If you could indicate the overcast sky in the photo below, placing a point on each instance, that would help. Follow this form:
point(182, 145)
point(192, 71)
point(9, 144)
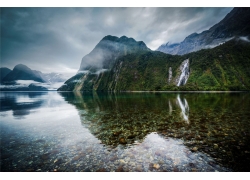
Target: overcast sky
point(56, 39)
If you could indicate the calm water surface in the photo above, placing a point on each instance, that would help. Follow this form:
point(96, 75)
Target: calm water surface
point(51, 131)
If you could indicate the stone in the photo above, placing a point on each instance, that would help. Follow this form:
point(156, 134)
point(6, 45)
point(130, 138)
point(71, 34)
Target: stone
point(122, 140)
point(76, 158)
point(159, 153)
point(116, 133)
point(101, 170)
point(191, 165)
point(192, 156)
point(156, 166)
point(122, 161)
point(176, 169)
point(120, 169)
point(195, 149)
point(151, 166)
point(194, 170)
point(216, 146)
point(139, 168)
point(113, 158)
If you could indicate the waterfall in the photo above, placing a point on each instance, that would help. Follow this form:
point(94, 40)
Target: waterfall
point(169, 75)
point(184, 73)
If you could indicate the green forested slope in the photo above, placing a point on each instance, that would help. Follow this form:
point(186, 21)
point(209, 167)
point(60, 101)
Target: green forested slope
point(225, 67)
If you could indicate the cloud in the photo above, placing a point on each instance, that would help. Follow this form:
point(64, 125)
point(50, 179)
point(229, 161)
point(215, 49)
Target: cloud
point(46, 38)
point(244, 38)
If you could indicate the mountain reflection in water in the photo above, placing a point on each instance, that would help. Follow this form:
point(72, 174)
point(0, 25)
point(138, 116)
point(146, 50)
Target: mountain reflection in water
point(120, 120)
point(69, 131)
point(21, 103)
point(205, 122)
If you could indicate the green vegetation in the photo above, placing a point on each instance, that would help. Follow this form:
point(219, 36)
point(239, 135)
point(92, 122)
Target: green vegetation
point(226, 67)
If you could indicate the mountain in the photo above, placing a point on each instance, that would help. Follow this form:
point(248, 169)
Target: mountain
point(22, 78)
point(22, 72)
point(103, 57)
point(3, 72)
point(108, 50)
point(235, 24)
point(225, 67)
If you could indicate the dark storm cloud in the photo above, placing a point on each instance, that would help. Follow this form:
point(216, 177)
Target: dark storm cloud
point(55, 39)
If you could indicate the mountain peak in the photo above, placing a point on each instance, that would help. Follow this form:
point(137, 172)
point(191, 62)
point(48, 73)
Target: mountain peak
point(108, 50)
point(122, 39)
point(192, 35)
point(22, 67)
point(22, 72)
point(110, 38)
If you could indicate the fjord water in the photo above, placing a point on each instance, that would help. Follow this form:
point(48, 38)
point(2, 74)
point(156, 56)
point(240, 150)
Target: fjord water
point(66, 131)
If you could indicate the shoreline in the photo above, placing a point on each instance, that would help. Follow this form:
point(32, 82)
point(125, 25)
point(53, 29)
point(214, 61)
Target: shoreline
point(141, 91)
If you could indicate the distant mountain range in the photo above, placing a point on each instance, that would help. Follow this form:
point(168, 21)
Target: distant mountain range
point(23, 78)
point(235, 24)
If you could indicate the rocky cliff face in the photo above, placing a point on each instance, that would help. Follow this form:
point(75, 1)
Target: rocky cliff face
point(235, 24)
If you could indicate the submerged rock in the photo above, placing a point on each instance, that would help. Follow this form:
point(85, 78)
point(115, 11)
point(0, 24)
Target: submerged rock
point(101, 170)
point(156, 166)
point(195, 149)
point(122, 141)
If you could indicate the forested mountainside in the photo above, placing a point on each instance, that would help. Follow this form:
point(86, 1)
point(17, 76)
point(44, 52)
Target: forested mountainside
point(225, 67)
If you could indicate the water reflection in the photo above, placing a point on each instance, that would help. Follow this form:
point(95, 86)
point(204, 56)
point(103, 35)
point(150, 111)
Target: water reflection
point(204, 122)
point(21, 103)
point(123, 120)
point(125, 132)
point(183, 104)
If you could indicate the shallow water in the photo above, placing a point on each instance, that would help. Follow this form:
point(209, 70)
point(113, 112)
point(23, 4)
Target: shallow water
point(51, 131)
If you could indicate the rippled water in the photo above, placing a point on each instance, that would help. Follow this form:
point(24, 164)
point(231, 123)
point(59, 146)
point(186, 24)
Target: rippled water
point(51, 131)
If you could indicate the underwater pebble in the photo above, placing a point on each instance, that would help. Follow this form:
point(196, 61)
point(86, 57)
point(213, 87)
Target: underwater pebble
point(156, 166)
